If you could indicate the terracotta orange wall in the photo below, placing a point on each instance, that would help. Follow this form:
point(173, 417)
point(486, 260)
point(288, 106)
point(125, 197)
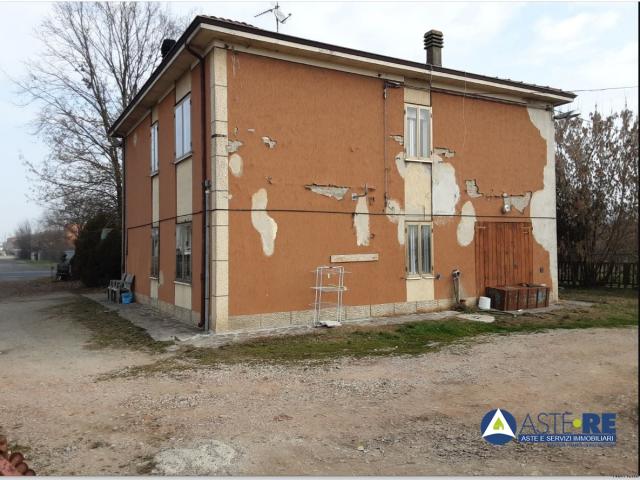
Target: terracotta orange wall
point(167, 210)
point(196, 130)
point(496, 145)
point(138, 205)
point(328, 126)
point(139, 201)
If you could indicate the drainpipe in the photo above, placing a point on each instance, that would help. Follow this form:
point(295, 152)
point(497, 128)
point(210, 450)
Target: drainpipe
point(123, 231)
point(386, 84)
point(204, 276)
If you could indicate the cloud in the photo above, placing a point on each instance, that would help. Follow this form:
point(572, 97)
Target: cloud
point(569, 36)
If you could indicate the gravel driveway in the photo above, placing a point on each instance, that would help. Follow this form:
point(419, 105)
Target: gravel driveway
point(389, 415)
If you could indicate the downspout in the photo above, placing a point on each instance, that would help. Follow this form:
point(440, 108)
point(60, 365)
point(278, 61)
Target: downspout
point(123, 232)
point(206, 184)
point(386, 84)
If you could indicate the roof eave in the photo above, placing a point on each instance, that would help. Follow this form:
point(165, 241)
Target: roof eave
point(205, 30)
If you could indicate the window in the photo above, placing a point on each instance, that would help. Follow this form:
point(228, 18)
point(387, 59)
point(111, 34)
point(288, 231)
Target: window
point(183, 127)
point(155, 252)
point(154, 148)
point(418, 132)
point(183, 252)
point(419, 249)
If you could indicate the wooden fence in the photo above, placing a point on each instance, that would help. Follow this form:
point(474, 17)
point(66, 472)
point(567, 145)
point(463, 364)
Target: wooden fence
point(602, 274)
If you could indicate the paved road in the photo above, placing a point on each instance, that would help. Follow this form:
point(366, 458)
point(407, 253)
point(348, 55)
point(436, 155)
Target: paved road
point(12, 270)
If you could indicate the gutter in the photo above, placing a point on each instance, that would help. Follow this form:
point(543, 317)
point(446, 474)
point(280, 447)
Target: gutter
point(206, 184)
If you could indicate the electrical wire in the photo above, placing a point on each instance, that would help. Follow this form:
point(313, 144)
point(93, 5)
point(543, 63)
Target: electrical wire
point(602, 89)
point(329, 212)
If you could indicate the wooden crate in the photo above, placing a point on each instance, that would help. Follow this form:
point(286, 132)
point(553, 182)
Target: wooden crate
point(518, 297)
point(503, 298)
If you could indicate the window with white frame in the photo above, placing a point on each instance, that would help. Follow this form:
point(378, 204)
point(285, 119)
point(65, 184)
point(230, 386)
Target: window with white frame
point(183, 252)
point(183, 127)
point(154, 148)
point(417, 136)
point(419, 249)
point(155, 252)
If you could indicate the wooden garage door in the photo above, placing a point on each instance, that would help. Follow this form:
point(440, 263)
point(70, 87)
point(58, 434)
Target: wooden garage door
point(503, 254)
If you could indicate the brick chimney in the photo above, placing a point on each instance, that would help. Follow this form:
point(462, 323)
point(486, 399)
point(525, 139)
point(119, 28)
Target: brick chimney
point(433, 43)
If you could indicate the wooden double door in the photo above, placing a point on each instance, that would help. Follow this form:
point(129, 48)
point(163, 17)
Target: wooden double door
point(504, 254)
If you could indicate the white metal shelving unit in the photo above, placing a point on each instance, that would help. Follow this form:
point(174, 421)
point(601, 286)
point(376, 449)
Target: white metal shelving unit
point(329, 284)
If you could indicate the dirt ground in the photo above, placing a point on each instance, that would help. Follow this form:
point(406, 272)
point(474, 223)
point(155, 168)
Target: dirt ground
point(416, 415)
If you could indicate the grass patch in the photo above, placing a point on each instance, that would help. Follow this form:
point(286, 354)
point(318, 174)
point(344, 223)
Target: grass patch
point(620, 310)
point(16, 447)
point(615, 309)
point(108, 329)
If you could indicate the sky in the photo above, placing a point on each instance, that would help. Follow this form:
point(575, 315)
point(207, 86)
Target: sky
point(568, 45)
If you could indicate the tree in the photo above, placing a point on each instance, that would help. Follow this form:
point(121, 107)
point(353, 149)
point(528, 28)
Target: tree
point(97, 255)
point(24, 240)
point(597, 187)
point(94, 58)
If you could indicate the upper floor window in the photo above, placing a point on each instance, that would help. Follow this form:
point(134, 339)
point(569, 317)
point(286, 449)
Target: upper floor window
point(183, 127)
point(154, 148)
point(417, 136)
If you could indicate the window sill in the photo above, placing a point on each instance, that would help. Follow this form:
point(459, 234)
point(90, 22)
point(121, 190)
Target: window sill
point(181, 282)
point(151, 277)
point(418, 160)
point(153, 174)
point(424, 276)
point(183, 157)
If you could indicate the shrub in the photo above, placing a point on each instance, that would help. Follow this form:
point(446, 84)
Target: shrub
point(97, 260)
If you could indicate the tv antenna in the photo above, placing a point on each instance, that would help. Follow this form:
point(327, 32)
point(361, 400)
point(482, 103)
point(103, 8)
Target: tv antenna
point(277, 13)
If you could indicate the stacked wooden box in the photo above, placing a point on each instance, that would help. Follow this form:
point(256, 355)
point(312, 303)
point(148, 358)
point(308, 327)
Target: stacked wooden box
point(518, 297)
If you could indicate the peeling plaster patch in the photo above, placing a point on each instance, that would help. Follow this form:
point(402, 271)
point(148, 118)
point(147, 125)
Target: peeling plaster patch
point(262, 222)
point(135, 138)
point(417, 189)
point(472, 189)
point(269, 142)
point(543, 202)
point(446, 193)
point(396, 215)
point(233, 146)
point(398, 138)
point(444, 152)
point(520, 202)
point(251, 130)
point(401, 164)
point(467, 225)
point(331, 191)
point(361, 222)
point(235, 165)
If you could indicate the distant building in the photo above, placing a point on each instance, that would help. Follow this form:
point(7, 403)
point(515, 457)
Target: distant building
point(10, 246)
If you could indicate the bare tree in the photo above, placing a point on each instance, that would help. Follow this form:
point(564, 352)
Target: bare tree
point(24, 240)
point(597, 187)
point(94, 59)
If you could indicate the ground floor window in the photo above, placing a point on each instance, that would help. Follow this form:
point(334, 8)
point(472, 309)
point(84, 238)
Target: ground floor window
point(183, 252)
point(155, 252)
point(419, 249)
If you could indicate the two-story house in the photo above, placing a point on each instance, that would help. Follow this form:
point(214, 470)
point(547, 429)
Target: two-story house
point(253, 157)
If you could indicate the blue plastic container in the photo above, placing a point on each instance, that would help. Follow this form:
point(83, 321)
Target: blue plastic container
point(127, 297)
